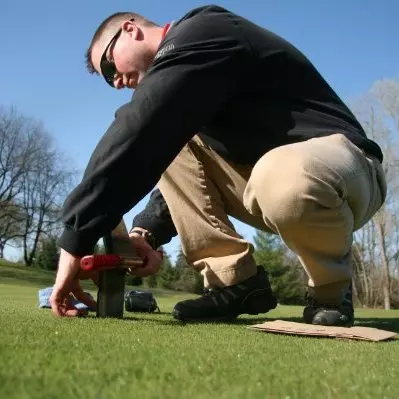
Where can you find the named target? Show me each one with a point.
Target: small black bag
(140, 301)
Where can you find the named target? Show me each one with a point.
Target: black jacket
(244, 88)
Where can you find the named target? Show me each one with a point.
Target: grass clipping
(357, 333)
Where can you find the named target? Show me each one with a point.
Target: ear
(132, 29)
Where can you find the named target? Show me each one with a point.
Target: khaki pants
(314, 194)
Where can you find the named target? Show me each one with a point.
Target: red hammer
(110, 261)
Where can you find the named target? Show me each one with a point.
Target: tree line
(34, 182)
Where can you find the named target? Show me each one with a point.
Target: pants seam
(209, 209)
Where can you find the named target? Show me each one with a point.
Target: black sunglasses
(108, 68)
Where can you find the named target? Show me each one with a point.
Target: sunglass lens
(108, 70)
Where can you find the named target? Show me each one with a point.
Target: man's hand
(67, 284)
(152, 259)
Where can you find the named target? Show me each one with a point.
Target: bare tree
(11, 224)
(378, 111)
(44, 188)
(387, 94)
(18, 149)
(34, 181)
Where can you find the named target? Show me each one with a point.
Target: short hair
(112, 19)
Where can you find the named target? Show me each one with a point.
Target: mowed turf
(154, 356)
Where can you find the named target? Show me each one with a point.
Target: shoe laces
(212, 292)
(208, 291)
(225, 294)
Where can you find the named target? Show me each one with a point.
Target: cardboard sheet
(358, 333)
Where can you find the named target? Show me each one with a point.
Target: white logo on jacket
(164, 50)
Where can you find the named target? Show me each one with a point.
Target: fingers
(76, 312)
(152, 262)
(62, 305)
(57, 303)
(82, 296)
(70, 310)
(152, 259)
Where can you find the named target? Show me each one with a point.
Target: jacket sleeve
(184, 88)
(156, 218)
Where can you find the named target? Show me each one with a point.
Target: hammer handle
(108, 261)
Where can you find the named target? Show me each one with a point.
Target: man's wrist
(139, 231)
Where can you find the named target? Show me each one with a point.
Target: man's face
(122, 49)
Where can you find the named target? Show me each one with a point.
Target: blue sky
(353, 43)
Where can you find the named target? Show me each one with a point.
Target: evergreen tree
(286, 280)
(134, 280)
(189, 280)
(48, 255)
(151, 281)
(154, 280)
(167, 274)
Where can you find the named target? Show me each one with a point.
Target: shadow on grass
(258, 320)
(390, 324)
(141, 317)
(137, 317)
(240, 321)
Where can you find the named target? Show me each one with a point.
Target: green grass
(154, 356)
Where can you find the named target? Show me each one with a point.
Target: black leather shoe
(252, 296)
(329, 315)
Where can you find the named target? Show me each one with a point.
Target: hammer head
(111, 290)
(111, 293)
